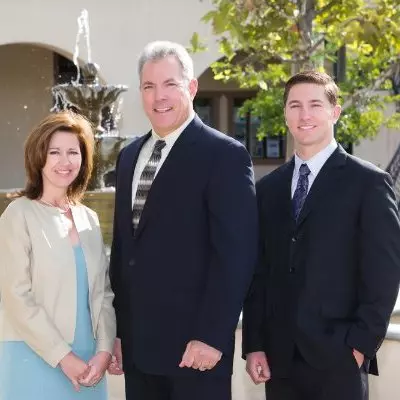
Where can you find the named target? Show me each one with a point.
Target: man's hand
(359, 357)
(257, 367)
(98, 366)
(74, 368)
(116, 367)
(199, 355)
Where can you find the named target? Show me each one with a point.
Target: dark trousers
(344, 382)
(142, 386)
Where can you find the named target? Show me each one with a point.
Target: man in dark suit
(329, 260)
(185, 241)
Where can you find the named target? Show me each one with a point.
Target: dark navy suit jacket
(328, 283)
(183, 274)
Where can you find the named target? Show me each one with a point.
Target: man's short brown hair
(318, 78)
(37, 146)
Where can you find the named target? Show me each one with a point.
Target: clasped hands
(85, 374)
(199, 355)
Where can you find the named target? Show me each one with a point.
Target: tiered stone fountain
(100, 105)
(91, 99)
(97, 102)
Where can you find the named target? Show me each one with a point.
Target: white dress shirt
(147, 149)
(314, 164)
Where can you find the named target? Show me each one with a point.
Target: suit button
(294, 239)
(292, 270)
(132, 262)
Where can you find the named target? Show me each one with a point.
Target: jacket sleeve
(28, 318)
(232, 210)
(253, 334)
(106, 327)
(115, 257)
(379, 266)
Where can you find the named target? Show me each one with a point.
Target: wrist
(65, 359)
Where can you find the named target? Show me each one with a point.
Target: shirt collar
(172, 137)
(317, 162)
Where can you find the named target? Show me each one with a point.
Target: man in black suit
(329, 260)
(185, 241)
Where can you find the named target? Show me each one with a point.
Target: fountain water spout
(97, 102)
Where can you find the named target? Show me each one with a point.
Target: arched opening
(27, 73)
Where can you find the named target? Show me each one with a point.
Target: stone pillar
(223, 114)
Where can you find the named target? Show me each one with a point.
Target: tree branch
(254, 59)
(305, 21)
(361, 94)
(327, 7)
(316, 45)
(280, 11)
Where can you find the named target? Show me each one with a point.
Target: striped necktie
(145, 181)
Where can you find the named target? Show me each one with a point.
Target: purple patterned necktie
(300, 193)
(145, 181)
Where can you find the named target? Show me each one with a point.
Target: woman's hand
(74, 368)
(98, 366)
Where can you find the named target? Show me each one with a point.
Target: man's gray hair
(156, 51)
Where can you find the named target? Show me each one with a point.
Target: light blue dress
(26, 376)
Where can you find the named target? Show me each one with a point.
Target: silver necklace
(61, 209)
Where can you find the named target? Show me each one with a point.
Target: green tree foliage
(263, 42)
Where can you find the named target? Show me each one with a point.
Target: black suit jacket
(183, 274)
(327, 283)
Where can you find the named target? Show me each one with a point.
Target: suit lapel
(324, 183)
(286, 188)
(168, 173)
(127, 167)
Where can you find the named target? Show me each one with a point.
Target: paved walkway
(116, 389)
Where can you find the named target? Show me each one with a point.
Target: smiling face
(167, 95)
(63, 161)
(310, 117)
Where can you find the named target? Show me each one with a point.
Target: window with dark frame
(203, 106)
(245, 131)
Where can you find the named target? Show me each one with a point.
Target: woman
(57, 323)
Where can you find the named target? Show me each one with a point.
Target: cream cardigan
(38, 279)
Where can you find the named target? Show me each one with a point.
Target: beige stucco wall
(380, 149)
(119, 30)
(26, 74)
(261, 170)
